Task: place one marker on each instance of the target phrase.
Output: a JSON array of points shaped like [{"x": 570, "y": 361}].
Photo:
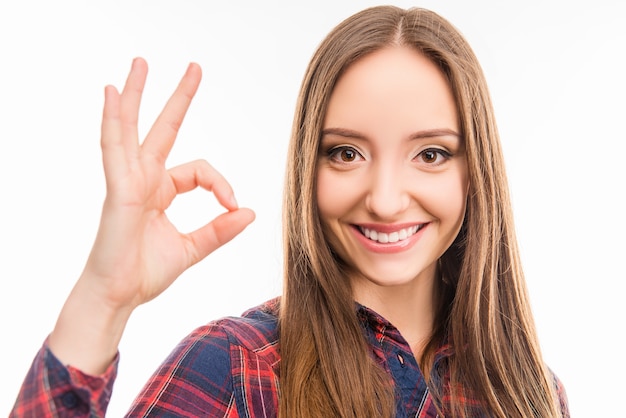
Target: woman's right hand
[{"x": 138, "y": 252}]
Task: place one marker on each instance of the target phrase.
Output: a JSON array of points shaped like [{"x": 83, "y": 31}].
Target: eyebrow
[{"x": 427, "y": 133}]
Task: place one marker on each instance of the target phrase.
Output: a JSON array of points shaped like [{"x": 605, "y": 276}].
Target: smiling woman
[
  {"x": 392, "y": 184},
  {"x": 394, "y": 133},
  {"x": 403, "y": 291}
]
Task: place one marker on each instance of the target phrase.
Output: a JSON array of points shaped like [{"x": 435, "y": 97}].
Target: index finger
[
  {"x": 162, "y": 135},
  {"x": 200, "y": 173}
]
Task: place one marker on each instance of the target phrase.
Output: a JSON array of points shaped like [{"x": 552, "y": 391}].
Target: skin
[
  {"x": 138, "y": 252},
  {"x": 391, "y": 158}
]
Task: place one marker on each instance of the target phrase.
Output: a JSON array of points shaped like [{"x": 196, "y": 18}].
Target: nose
[{"x": 388, "y": 195}]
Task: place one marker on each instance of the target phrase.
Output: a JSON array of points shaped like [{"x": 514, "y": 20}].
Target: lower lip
[{"x": 390, "y": 247}]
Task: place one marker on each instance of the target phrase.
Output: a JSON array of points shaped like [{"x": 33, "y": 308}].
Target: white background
[{"x": 556, "y": 72}]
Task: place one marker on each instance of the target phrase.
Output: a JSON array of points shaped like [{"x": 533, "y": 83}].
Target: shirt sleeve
[{"x": 52, "y": 389}]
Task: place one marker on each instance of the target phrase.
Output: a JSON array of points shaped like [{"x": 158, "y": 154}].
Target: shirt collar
[{"x": 383, "y": 329}]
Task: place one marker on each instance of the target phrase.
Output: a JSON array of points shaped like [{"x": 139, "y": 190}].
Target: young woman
[{"x": 403, "y": 292}]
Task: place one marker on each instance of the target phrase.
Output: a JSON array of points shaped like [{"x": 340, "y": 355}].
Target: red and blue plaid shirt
[{"x": 228, "y": 368}]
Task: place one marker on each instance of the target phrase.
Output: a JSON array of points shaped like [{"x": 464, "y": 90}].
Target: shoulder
[
  {"x": 254, "y": 332},
  {"x": 256, "y": 328},
  {"x": 243, "y": 353}
]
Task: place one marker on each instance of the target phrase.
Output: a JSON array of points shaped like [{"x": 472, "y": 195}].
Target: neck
[{"x": 409, "y": 307}]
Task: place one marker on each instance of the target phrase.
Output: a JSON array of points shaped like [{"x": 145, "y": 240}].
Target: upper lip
[{"x": 389, "y": 228}]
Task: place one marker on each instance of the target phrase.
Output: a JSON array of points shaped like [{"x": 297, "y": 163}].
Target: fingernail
[{"x": 233, "y": 201}]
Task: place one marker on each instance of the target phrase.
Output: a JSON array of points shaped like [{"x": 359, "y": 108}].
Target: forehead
[{"x": 393, "y": 86}]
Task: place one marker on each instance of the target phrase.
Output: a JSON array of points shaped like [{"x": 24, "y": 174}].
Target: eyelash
[
  {"x": 334, "y": 154},
  {"x": 440, "y": 152}
]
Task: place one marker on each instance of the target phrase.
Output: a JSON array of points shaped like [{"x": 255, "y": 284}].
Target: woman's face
[{"x": 392, "y": 173}]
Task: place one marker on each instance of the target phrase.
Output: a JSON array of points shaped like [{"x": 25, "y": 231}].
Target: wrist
[{"x": 88, "y": 331}]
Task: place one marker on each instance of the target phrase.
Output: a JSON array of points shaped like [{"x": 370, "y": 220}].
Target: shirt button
[
  {"x": 69, "y": 400},
  {"x": 401, "y": 360}
]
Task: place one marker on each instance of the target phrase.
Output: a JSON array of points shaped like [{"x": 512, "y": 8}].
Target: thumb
[{"x": 219, "y": 231}]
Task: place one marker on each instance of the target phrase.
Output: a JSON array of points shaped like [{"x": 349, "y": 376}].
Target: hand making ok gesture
[{"x": 138, "y": 252}]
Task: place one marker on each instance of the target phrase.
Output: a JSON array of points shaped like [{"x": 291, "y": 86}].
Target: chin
[{"x": 391, "y": 279}]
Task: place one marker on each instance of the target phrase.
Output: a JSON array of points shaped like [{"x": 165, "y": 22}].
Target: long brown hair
[{"x": 484, "y": 313}]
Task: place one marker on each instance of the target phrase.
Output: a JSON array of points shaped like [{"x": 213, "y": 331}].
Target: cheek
[
  {"x": 334, "y": 195},
  {"x": 333, "y": 203},
  {"x": 324, "y": 193},
  {"x": 446, "y": 199}
]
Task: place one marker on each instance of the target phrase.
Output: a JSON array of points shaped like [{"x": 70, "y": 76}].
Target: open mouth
[{"x": 390, "y": 237}]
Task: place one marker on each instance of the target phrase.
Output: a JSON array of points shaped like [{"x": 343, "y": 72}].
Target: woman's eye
[
  {"x": 434, "y": 156},
  {"x": 344, "y": 154}
]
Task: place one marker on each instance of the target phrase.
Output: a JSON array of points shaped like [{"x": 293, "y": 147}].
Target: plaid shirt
[{"x": 228, "y": 368}]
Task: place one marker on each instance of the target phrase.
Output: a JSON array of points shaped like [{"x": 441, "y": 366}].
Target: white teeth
[{"x": 392, "y": 237}]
